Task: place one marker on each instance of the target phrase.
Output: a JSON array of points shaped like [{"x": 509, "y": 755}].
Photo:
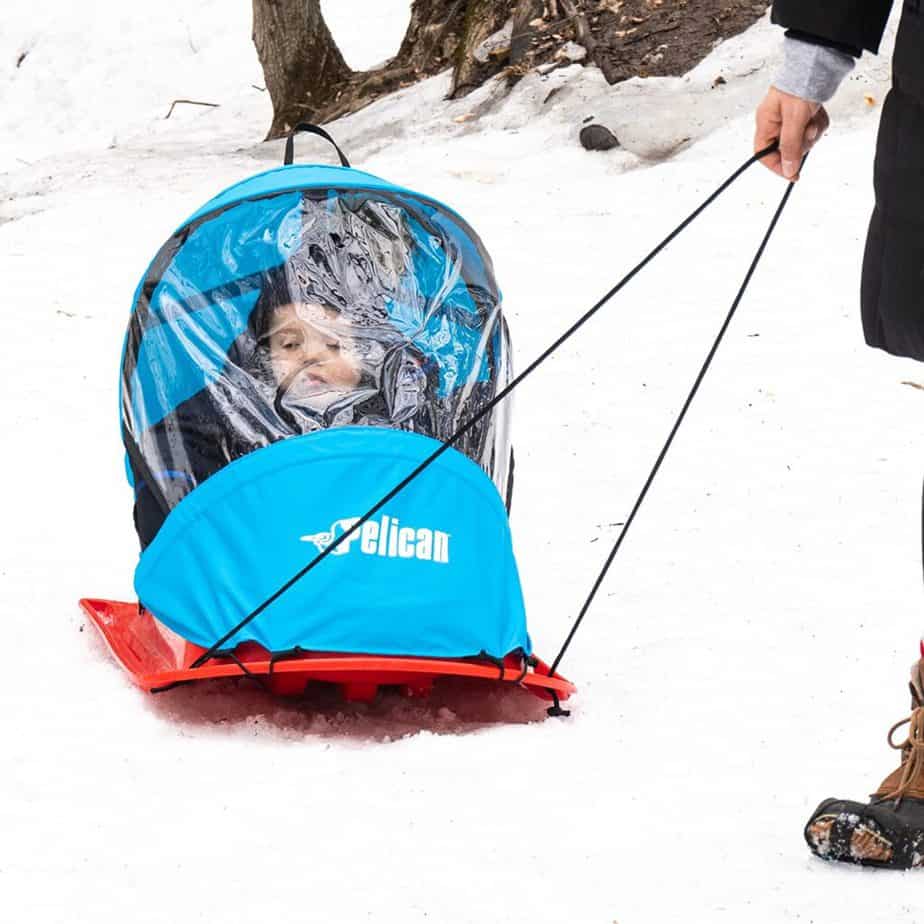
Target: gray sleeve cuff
[{"x": 812, "y": 72}]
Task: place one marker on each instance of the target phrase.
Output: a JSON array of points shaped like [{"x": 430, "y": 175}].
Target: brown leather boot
[{"x": 888, "y": 830}]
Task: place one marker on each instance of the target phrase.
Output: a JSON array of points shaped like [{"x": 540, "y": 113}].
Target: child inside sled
[
  {"x": 304, "y": 364},
  {"x": 307, "y": 361}
]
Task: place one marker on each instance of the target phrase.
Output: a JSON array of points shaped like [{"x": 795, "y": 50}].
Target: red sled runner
[{"x": 158, "y": 659}]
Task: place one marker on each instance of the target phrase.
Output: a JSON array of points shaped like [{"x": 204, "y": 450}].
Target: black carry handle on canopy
[
  {"x": 311, "y": 130},
  {"x": 217, "y": 647}
]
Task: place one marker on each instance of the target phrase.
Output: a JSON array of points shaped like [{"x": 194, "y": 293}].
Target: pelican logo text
[{"x": 385, "y": 538}]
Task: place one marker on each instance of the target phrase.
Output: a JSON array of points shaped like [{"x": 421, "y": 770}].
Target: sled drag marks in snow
[{"x": 455, "y": 707}]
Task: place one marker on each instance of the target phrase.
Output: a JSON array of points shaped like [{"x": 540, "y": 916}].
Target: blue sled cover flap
[{"x": 432, "y": 574}]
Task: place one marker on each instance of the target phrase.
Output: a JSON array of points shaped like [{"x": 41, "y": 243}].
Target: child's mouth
[{"x": 312, "y": 386}]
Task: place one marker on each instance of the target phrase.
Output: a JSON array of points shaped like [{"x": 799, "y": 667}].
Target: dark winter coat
[{"x": 892, "y": 294}]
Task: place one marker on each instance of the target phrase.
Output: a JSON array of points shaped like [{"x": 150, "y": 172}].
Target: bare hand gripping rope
[{"x": 217, "y": 647}]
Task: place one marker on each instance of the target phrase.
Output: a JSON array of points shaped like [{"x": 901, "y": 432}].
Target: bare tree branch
[{"x": 189, "y": 102}]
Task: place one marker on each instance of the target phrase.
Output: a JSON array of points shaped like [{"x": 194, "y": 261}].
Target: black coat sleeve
[{"x": 858, "y": 23}]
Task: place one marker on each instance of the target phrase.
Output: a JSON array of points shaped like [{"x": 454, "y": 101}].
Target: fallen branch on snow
[{"x": 189, "y": 102}]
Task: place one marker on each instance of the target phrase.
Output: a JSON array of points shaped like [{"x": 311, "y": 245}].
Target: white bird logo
[{"x": 324, "y": 539}]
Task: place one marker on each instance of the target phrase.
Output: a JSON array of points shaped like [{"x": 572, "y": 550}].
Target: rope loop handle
[{"x": 310, "y": 129}]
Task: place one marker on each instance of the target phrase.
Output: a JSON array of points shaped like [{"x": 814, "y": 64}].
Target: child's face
[{"x": 310, "y": 353}]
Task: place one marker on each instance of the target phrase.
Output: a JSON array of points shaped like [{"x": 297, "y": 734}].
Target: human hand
[{"x": 797, "y": 123}]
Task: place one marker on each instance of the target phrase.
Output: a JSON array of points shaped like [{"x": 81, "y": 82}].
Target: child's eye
[{"x": 334, "y": 346}]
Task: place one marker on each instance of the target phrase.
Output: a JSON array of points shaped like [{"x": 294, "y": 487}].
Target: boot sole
[{"x": 858, "y": 833}]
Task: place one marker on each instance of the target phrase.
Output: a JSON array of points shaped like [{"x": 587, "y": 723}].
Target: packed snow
[{"x": 743, "y": 660}]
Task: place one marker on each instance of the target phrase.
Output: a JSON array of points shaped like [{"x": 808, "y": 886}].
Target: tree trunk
[
  {"x": 302, "y": 65},
  {"x": 524, "y": 32},
  {"x": 427, "y": 48},
  {"x": 432, "y": 35},
  {"x": 308, "y": 79},
  {"x": 482, "y": 19}
]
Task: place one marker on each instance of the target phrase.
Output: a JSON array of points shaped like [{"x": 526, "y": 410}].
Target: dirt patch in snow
[{"x": 662, "y": 38}]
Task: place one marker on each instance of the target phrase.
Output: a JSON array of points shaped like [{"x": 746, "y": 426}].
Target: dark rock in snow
[{"x": 598, "y": 138}]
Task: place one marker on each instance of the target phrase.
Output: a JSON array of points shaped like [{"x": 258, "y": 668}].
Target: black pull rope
[
  {"x": 677, "y": 423},
  {"x": 398, "y": 488}
]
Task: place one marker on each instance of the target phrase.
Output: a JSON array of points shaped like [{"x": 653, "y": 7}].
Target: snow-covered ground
[{"x": 749, "y": 649}]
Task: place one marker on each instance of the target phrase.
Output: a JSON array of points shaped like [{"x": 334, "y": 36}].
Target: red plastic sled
[{"x": 157, "y": 658}]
